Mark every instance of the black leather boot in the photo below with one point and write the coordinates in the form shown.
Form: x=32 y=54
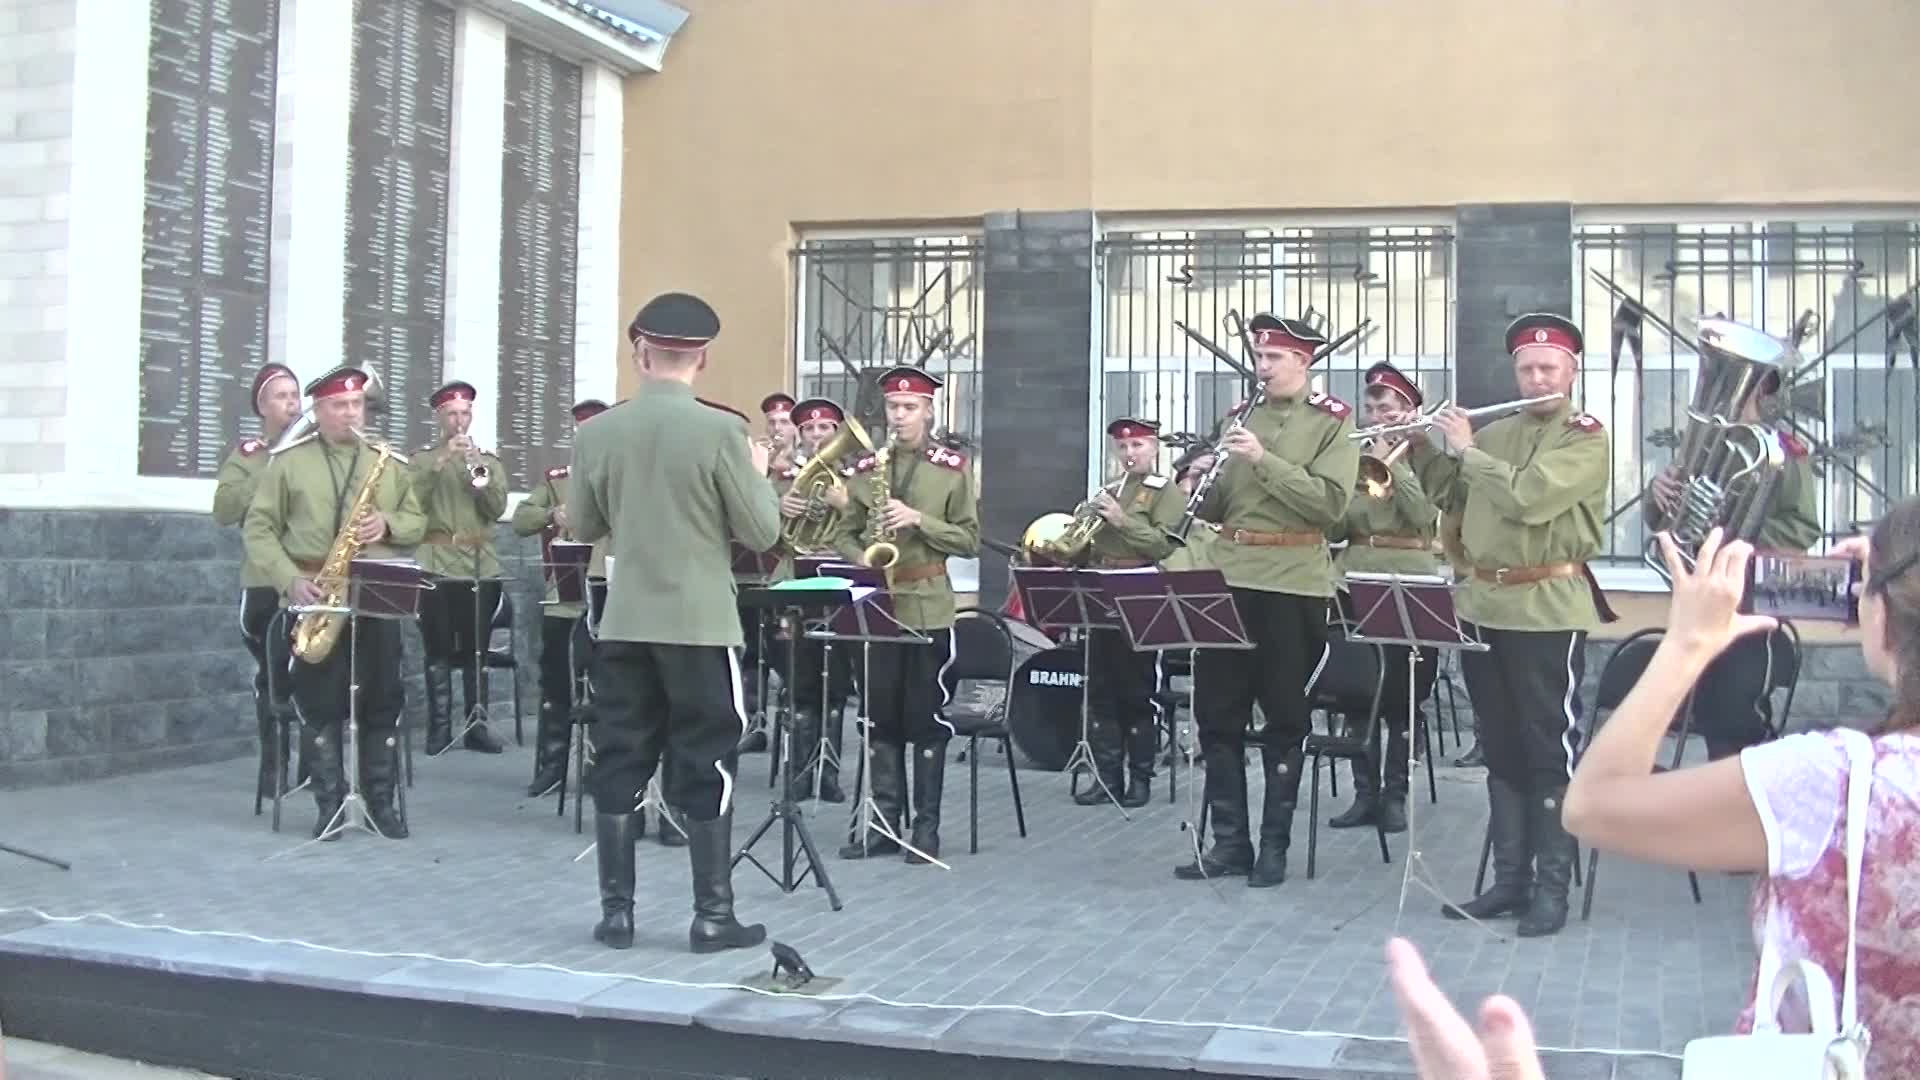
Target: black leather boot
x=1553 y=853
x=830 y=770
x=673 y=827
x=263 y=786
x=1139 y=760
x=477 y=738
x=1392 y=807
x=929 y=782
x=714 y=928
x=439 y=707
x=321 y=750
x=1232 y=851
x=550 y=743
x=1109 y=761
x=1512 y=866
x=1366 y=799
x=806 y=739
x=378 y=760
x=614 y=835
x=887 y=775
x=1276 y=818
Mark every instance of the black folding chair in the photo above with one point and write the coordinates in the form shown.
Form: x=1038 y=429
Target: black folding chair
x=982 y=653
x=1783 y=671
x=1348 y=683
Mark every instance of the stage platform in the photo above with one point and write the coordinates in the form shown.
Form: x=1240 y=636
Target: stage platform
x=465 y=951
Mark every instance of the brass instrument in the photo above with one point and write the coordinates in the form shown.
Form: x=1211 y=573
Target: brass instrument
x=880 y=551
x=1064 y=539
x=1376 y=469
x=1424 y=422
x=317 y=633
x=814 y=531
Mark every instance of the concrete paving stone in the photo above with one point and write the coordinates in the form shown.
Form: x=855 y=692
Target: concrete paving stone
x=521 y=988
x=652 y=1002
x=775 y=1015
x=1261 y=1053
x=1011 y=1033
x=871 y=1024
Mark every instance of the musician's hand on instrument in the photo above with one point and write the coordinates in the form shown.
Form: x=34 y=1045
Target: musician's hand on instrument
x=1243 y=443
x=793 y=505
x=837 y=497
x=1455 y=428
x=760 y=454
x=1106 y=507
x=371 y=528
x=559 y=518
x=1666 y=488
x=302 y=592
x=1200 y=465
x=900 y=516
x=1705 y=613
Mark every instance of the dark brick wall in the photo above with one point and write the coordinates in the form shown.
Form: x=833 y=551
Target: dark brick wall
x=1037 y=385
x=120 y=643
x=1510 y=259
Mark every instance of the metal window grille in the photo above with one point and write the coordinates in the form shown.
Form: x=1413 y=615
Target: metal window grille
x=1853 y=403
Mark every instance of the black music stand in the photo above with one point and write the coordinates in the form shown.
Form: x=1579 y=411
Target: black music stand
x=1058 y=598
x=1413 y=610
x=477 y=712
x=756 y=569
x=1180 y=609
x=565 y=563
x=376 y=589
x=867 y=620
x=798 y=603
x=823 y=751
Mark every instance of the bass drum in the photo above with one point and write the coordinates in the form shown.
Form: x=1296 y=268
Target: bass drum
x=1043 y=707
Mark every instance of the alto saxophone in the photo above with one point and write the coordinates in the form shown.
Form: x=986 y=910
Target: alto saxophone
x=880 y=552
x=317 y=633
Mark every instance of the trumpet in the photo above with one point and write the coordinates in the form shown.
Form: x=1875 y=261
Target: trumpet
x=1376 y=468
x=1424 y=422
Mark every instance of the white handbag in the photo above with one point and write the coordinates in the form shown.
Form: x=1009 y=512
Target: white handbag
x=1832 y=1050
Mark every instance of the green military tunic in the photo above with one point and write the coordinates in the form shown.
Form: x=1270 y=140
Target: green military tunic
x=459 y=539
x=1793 y=518
x=1153 y=505
x=937 y=482
x=1197 y=553
x=1404 y=515
x=303 y=501
x=1532 y=493
x=534 y=515
x=233 y=492
x=1302 y=486
x=666 y=481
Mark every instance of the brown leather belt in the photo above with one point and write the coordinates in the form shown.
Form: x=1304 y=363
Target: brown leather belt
x=906 y=575
x=442 y=538
x=1119 y=562
x=1389 y=540
x=1271 y=539
x=1527 y=575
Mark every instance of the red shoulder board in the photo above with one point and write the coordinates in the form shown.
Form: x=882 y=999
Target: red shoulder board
x=1792 y=445
x=951 y=459
x=250 y=447
x=559 y=473
x=1585 y=423
x=865 y=464
x=1330 y=405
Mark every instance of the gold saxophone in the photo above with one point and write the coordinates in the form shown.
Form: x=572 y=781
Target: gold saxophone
x=880 y=552
x=317 y=633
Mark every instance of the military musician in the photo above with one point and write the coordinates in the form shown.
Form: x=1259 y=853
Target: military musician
x=817 y=421
x=1389 y=529
x=921 y=493
x=276 y=401
x=1137 y=513
x=763 y=647
x=544 y=512
x=1287 y=481
x=463 y=492
x=1531 y=492
x=665 y=481
x=302 y=505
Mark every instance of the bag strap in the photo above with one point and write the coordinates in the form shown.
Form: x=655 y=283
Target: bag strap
x=1859 y=790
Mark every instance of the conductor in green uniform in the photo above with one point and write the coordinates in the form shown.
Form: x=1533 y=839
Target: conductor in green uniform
x=304 y=501
x=1285 y=485
x=1390 y=529
x=918 y=496
x=463 y=492
x=667 y=482
x=1120 y=710
x=276 y=401
x=1531 y=491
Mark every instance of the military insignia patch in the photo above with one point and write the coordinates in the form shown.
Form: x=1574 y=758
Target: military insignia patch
x=946 y=458
x=250 y=447
x=1329 y=404
x=1585 y=423
x=1794 y=448
x=1154 y=483
x=865 y=464
x=559 y=473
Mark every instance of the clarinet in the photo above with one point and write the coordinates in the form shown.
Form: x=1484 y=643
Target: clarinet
x=1235 y=420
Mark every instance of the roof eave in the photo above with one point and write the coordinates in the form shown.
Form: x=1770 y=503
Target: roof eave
x=568 y=35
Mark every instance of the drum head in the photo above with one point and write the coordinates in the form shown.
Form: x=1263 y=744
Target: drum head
x=1043 y=707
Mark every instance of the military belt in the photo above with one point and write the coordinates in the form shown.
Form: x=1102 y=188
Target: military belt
x=1527 y=575
x=905 y=575
x=1272 y=539
x=1401 y=541
x=442 y=538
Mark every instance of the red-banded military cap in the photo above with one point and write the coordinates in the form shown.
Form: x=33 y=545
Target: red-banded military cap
x=341 y=380
x=818 y=408
x=453 y=391
x=724 y=408
x=775 y=403
x=679 y=322
x=909 y=380
x=584 y=411
x=1545 y=328
x=268 y=373
x=1385 y=374
x=1132 y=427
x=1274 y=332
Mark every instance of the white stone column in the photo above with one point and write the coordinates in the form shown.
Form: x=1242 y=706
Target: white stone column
x=473 y=212
x=599 y=332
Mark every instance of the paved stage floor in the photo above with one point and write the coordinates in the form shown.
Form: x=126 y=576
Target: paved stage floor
x=1084 y=914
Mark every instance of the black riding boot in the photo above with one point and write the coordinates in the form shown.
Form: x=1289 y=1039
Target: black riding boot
x=264 y=785
x=1232 y=851
x=1109 y=760
x=321 y=751
x=929 y=781
x=673 y=829
x=378 y=761
x=1553 y=853
x=439 y=707
x=830 y=769
x=806 y=739
x=1276 y=818
x=614 y=835
x=714 y=927
x=1139 y=743
x=887 y=777
x=1366 y=799
x=1512 y=865
x=477 y=737
x=550 y=743
x=1393 y=793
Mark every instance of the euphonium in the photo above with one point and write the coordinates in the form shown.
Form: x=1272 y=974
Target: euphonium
x=821 y=474
x=1376 y=470
x=316 y=633
x=880 y=551
x=1065 y=539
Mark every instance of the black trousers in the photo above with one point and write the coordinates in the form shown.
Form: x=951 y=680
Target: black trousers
x=1526 y=691
x=321 y=691
x=1731 y=708
x=447 y=620
x=905 y=695
x=258 y=606
x=566 y=651
x=1120 y=698
x=1393 y=689
x=810 y=672
x=680 y=702
x=1289 y=635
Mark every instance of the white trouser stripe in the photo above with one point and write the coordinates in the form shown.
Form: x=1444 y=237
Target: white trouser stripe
x=740 y=713
x=940 y=680
x=1566 y=705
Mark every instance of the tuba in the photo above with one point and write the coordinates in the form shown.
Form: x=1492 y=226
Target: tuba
x=1726 y=470
x=814 y=531
x=1064 y=539
x=317 y=632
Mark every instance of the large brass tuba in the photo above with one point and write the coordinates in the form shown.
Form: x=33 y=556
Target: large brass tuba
x=1065 y=539
x=317 y=633
x=1725 y=469
x=814 y=531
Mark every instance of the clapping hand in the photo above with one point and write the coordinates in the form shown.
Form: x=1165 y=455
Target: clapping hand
x=1444 y=1046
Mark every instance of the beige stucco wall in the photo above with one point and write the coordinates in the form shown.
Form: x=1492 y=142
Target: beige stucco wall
x=774 y=115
